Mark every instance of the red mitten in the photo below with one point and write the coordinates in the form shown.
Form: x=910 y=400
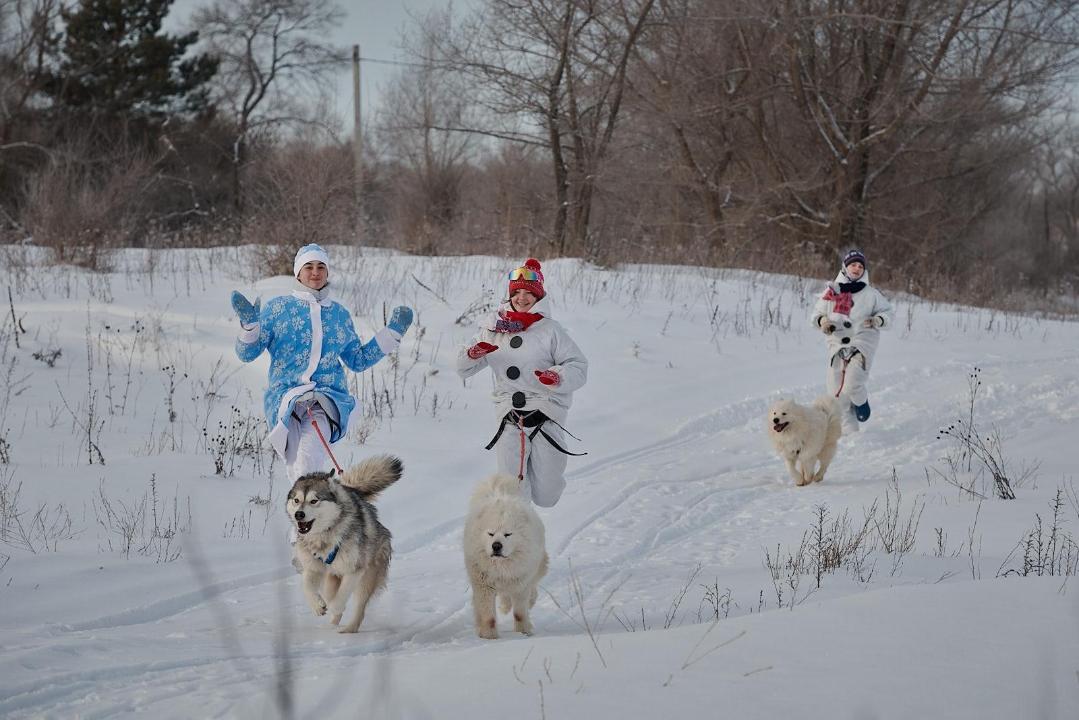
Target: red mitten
x=480 y=349
x=548 y=377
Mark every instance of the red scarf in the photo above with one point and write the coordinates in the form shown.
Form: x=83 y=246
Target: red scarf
x=843 y=301
x=511 y=321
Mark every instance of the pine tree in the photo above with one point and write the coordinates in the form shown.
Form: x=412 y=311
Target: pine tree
x=116 y=64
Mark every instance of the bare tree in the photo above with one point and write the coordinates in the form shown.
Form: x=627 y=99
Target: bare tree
x=430 y=161
x=274 y=57
x=1055 y=204
x=897 y=99
x=300 y=193
x=26 y=34
x=80 y=209
x=697 y=73
x=552 y=73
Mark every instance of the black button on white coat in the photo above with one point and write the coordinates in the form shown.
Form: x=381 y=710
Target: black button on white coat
x=513 y=372
x=516 y=341
x=518 y=400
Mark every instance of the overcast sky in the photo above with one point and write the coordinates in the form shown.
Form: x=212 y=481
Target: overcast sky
x=375 y=25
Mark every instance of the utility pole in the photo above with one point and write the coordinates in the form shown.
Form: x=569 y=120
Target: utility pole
x=357 y=147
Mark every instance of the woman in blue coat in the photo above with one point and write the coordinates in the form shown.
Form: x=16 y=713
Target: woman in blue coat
x=309 y=338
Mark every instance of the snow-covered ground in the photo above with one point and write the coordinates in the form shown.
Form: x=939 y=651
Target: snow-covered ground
x=137 y=581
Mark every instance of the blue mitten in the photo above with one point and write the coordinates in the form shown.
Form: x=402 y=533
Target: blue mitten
x=248 y=313
x=400 y=319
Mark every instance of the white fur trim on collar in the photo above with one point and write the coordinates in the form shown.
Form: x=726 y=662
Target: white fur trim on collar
x=310 y=298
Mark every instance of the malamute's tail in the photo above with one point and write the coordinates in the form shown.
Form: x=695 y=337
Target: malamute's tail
x=373 y=475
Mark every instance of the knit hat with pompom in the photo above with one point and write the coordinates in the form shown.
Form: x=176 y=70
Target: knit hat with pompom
x=528 y=277
x=854 y=256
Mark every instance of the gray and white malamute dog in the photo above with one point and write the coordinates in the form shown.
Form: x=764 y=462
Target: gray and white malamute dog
x=342 y=548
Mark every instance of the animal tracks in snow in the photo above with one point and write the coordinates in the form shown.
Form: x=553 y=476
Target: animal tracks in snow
x=710 y=492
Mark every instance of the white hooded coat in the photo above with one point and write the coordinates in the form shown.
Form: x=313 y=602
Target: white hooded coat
x=847 y=379
x=868 y=303
x=545 y=345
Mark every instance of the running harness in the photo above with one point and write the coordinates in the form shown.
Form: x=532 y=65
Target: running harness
x=534 y=420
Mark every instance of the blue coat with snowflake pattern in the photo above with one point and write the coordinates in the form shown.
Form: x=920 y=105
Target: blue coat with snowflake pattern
x=308 y=341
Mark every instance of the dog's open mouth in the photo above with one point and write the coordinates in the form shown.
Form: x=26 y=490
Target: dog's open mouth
x=780 y=427
x=304 y=527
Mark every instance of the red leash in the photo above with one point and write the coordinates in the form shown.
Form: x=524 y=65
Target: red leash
x=843 y=376
x=325 y=444
x=521 y=428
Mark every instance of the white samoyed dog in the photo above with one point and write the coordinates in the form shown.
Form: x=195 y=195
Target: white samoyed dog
x=505 y=554
x=805 y=436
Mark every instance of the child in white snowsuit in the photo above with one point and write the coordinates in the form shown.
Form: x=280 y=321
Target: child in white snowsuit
x=309 y=338
x=851 y=314
x=536 y=366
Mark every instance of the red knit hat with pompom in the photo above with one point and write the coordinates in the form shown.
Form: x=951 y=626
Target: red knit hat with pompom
x=528 y=277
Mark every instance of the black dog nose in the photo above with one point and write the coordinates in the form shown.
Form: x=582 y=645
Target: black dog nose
x=775 y=421
x=496 y=546
x=299 y=515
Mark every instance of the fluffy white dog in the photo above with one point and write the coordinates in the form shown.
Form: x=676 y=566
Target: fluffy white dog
x=505 y=554
x=805 y=436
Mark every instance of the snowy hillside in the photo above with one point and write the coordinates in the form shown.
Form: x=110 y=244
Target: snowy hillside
x=144 y=566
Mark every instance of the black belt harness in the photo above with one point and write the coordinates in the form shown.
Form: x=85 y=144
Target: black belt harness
x=532 y=419
x=847 y=353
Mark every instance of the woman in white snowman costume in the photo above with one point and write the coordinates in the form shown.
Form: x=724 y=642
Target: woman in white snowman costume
x=851 y=313
x=536 y=367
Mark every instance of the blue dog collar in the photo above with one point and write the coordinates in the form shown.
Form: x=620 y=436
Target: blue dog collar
x=332 y=555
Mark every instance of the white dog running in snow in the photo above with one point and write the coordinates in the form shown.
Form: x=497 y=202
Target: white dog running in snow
x=805 y=436
x=505 y=554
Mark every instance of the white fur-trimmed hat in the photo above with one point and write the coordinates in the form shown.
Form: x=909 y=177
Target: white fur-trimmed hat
x=309 y=253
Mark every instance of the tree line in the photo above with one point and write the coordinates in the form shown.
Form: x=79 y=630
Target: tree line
x=774 y=134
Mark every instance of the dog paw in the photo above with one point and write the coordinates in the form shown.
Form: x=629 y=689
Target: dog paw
x=523 y=627
x=318 y=605
x=348 y=629
x=488 y=631
x=335 y=619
